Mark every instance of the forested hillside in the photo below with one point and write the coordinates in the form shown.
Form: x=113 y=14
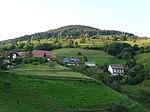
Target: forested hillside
x=71 y=31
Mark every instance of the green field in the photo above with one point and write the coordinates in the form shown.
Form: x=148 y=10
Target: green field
x=98 y=56
x=24 y=94
x=135 y=92
x=44 y=70
x=140 y=42
x=144 y=59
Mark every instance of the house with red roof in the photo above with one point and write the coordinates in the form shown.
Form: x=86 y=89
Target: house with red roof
x=23 y=54
x=42 y=54
x=11 y=55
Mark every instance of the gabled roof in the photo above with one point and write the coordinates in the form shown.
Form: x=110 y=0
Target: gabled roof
x=22 y=53
x=8 y=53
x=116 y=66
x=42 y=53
x=66 y=60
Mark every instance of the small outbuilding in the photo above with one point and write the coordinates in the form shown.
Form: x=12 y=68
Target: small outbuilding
x=91 y=64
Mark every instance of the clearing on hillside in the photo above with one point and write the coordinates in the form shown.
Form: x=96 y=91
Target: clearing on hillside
x=143 y=59
x=140 y=92
x=24 y=94
x=98 y=56
x=44 y=70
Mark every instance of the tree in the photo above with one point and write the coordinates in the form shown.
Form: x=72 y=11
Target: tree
x=18 y=60
x=52 y=64
x=82 y=40
x=118 y=107
x=2 y=64
x=76 y=44
x=105 y=67
x=116 y=86
x=85 y=58
x=123 y=38
x=131 y=63
x=79 y=53
x=116 y=48
x=86 y=35
x=28 y=47
x=115 y=38
x=136 y=47
x=70 y=43
x=35 y=64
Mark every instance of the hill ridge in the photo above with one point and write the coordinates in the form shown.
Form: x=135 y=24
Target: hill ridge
x=72 y=31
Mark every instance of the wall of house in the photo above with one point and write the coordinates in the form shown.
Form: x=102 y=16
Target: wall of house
x=90 y=64
x=110 y=69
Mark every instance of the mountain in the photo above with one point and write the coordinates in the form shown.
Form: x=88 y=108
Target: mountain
x=71 y=31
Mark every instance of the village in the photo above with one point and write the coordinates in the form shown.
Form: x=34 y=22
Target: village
x=10 y=56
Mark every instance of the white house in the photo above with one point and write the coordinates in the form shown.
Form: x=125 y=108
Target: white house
x=116 y=69
x=92 y=64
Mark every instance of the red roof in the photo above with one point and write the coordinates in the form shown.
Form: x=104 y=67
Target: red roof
x=41 y=53
x=22 y=54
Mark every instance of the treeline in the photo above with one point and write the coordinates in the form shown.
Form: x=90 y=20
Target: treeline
x=29 y=46
x=135 y=73
x=72 y=31
x=122 y=50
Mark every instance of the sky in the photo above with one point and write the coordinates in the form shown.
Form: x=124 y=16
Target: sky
x=23 y=17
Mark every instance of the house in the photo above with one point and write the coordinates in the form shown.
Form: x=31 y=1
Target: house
x=71 y=61
x=1 y=55
x=116 y=69
x=91 y=64
x=42 y=54
x=23 y=54
x=11 y=55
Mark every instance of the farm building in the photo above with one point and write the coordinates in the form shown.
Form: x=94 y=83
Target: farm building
x=11 y=55
x=71 y=61
x=91 y=64
x=23 y=54
x=116 y=69
x=42 y=54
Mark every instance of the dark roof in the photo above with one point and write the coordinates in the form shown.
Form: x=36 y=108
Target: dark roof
x=117 y=66
x=66 y=60
x=9 y=54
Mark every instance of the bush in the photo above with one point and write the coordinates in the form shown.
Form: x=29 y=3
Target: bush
x=118 y=107
x=137 y=79
x=18 y=61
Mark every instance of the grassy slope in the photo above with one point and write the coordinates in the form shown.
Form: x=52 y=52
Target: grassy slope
x=134 y=91
x=97 y=56
x=23 y=94
x=45 y=70
x=144 y=59
x=139 y=42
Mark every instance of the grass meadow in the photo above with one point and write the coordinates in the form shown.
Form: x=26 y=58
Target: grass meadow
x=144 y=59
x=44 y=70
x=98 y=56
x=140 y=92
x=25 y=94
